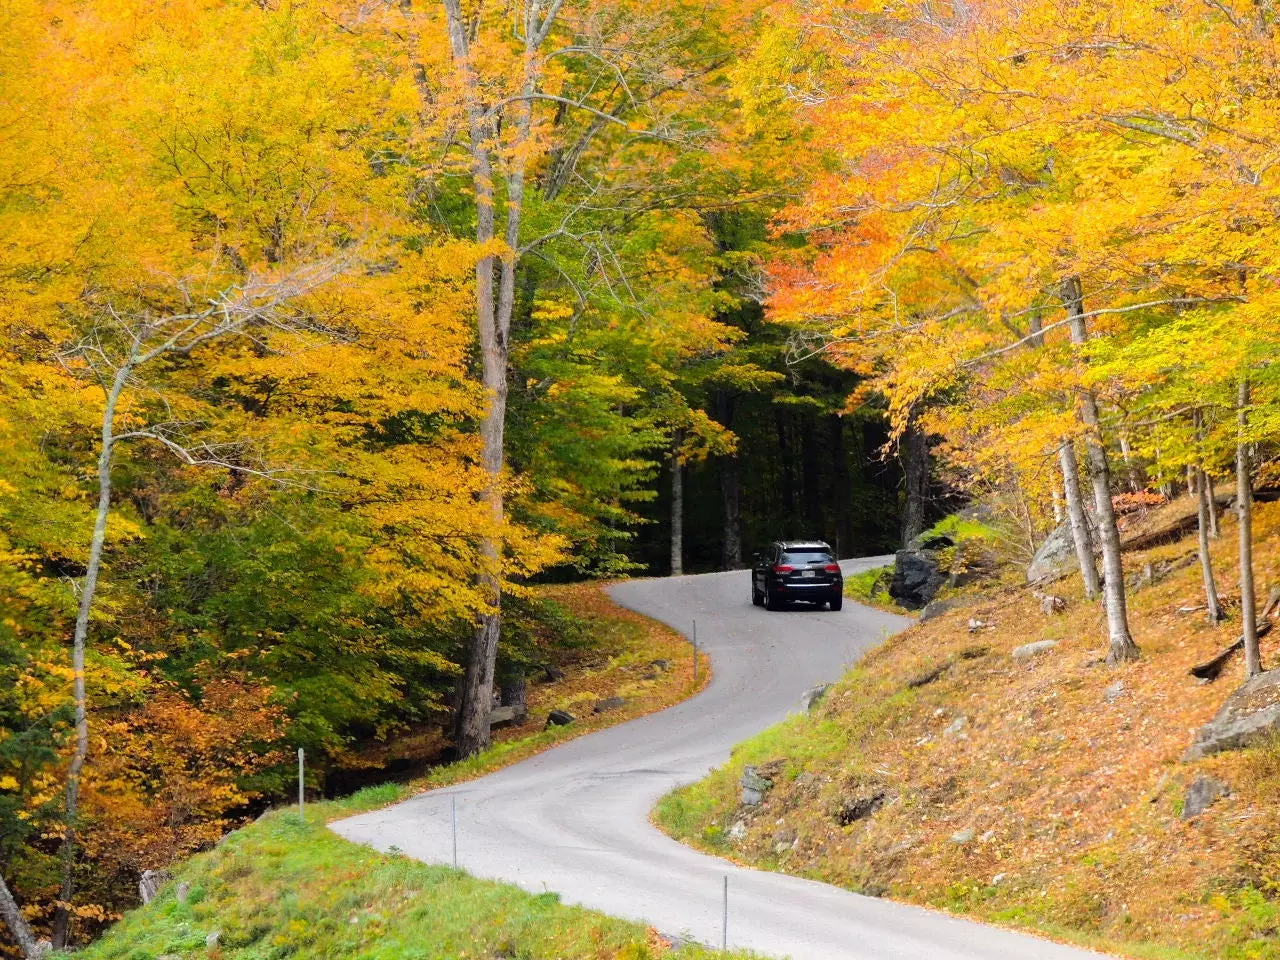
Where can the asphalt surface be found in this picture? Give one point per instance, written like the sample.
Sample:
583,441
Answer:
574,819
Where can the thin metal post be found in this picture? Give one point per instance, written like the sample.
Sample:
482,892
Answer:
301,784
695,653
453,811
724,927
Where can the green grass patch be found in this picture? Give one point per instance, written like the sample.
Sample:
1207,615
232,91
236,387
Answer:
872,588
284,888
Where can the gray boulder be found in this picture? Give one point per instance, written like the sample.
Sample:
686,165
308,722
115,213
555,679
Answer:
607,704
1201,795
936,608
1250,714
500,717
150,883
917,575
813,696
560,718
754,787
1057,555
1029,650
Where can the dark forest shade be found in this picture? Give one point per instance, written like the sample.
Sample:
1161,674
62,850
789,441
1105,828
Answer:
799,473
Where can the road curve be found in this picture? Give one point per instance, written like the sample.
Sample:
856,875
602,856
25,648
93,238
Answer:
575,818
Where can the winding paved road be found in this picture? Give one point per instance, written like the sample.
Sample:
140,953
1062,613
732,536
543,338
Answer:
575,819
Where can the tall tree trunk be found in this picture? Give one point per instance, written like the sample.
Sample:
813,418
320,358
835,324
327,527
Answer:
787,500
1214,530
1122,647
840,463
914,453
493,324
677,509
17,923
67,850
1081,538
513,691
731,499
1244,511
723,402
1212,604
810,479
1132,473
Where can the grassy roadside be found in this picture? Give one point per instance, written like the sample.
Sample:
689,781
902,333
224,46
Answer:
1044,793
284,888
871,588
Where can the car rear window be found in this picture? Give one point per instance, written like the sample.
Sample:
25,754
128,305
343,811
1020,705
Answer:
806,556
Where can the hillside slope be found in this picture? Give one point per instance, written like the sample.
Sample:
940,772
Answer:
1046,792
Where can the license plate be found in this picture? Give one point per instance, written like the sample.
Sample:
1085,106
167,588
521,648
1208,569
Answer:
807,574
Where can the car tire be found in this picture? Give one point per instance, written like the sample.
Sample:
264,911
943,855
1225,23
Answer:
757,598
837,603
770,601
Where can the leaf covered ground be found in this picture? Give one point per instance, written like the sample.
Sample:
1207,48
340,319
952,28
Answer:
1044,793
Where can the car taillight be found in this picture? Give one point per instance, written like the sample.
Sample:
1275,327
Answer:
782,568
832,568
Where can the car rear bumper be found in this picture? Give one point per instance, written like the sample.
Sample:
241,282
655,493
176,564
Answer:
799,588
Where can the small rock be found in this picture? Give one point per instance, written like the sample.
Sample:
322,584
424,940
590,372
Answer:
1201,795
937,608
607,704
150,883
212,939
956,725
813,696
551,674
662,665
1113,692
500,717
738,832
859,808
963,836
784,838
182,890
560,718
928,676
1029,650
676,943
754,787
975,625
998,879
1050,604
987,837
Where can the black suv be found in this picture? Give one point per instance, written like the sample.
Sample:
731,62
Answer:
796,570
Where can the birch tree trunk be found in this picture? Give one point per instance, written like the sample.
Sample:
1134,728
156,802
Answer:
31,948
67,849
1244,511
493,325
1212,604
1122,647
1214,531
1079,521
